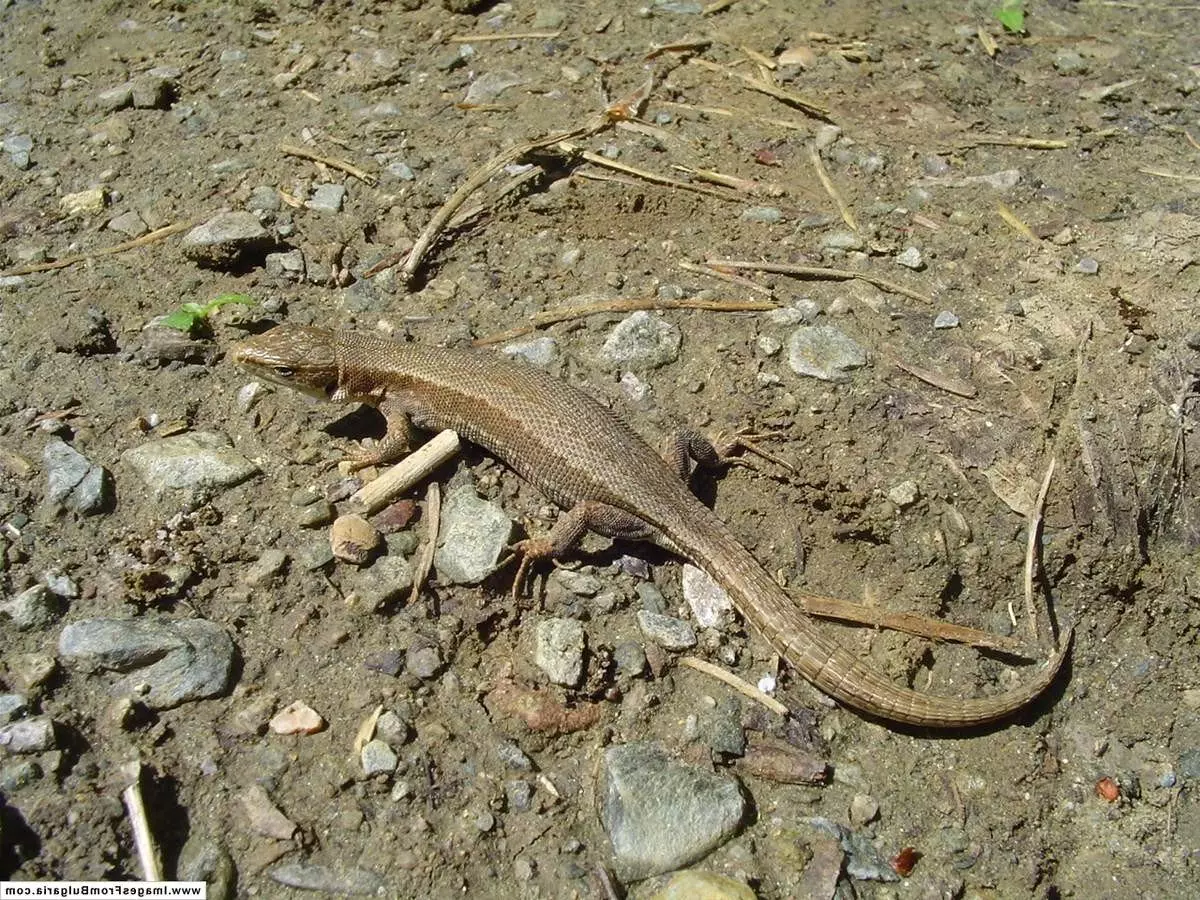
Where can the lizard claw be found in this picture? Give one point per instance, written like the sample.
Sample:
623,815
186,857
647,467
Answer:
746,441
530,550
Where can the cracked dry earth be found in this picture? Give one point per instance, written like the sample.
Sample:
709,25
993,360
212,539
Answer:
170,591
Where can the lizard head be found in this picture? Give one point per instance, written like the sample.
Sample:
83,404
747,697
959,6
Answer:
296,356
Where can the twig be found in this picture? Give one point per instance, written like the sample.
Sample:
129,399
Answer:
333,162
515,36
135,806
818,272
747,185
1163,173
830,188
738,280
1031,554
433,524
909,623
717,6
553,316
156,235
1013,221
1000,140
375,495
604,162
738,684
729,113
947,383
791,99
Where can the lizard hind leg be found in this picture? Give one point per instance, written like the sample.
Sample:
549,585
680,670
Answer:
690,446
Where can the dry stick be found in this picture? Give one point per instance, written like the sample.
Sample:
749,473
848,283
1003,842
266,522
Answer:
333,162
729,113
597,160
794,100
744,283
1013,221
143,840
817,272
1031,554
1163,173
433,521
1000,140
157,235
909,623
830,188
947,383
375,495
742,687
515,36
553,316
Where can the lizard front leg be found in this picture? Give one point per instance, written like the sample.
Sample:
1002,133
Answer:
396,442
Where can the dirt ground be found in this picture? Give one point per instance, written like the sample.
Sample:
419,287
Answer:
1049,185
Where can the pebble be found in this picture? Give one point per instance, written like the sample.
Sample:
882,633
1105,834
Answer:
692,884
803,311
393,730
33,735
316,514
173,661
842,240
559,650
400,170
911,258
423,661
296,718
863,809
265,817
35,607
17,775
945,319
203,859
490,85
12,707
661,815
314,555
767,215
327,198
18,147
324,879
288,265
353,539
84,203
265,198
721,729
129,224
707,599
513,757
1069,62
1088,266
198,460
474,535
824,352
540,352
270,563
387,580
155,89
863,861
769,345
519,794
11,282
630,657
378,758
666,631
226,240
642,340
904,494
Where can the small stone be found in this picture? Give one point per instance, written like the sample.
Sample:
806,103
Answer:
824,352
387,580
393,730
911,258
74,481
154,89
474,534
666,631
693,884
400,170
270,563
11,282
581,584
34,607
842,240
945,319
423,661
705,596
1088,266
33,735
630,657
327,198
19,774
385,662
308,876
519,794
12,707
642,340
1069,62
559,650
353,539
904,494
196,461
129,224
766,215
116,98
288,265
265,818
316,514
84,203
264,198
490,85
378,758
297,718
513,757
1014,307
226,240
863,809
827,136
540,352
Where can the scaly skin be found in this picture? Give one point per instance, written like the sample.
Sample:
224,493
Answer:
591,463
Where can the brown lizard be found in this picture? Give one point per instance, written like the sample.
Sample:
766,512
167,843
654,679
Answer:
592,464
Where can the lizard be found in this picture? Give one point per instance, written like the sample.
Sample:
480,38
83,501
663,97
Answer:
590,462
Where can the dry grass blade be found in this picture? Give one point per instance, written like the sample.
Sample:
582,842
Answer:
333,162
785,96
433,518
143,838
738,280
157,235
830,188
947,383
1027,143
514,36
552,317
1016,223
818,272
738,684
604,162
1163,173
733,181
729,113
1031,554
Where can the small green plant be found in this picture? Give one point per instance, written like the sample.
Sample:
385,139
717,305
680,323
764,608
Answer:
191,316
1011,14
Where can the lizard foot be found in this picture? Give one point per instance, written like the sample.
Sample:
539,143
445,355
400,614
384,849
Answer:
745,441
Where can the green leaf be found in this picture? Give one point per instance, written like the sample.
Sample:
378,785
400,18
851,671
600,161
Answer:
224,300
181,320
1011,14
190,314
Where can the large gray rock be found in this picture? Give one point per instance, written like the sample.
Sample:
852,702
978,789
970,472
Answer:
474,534
227,240
199,460
73,480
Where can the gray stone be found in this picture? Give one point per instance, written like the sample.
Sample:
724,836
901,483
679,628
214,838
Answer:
904,494
61,584
519,794
945,319
11,282
721,728
767,215
474,535
393,730
842,240
307,876
34,607
707,599
12,707
386,580
378,758
824,352
327,198
169,661
661,815
400,170
155,89
911,258
490,85
233,56
33,735
115,98
630,658
226,239
1088,266
203,859
269,564
863,861
803,311
74,481
423,661
642,340
287,265
1069,62
666,631
540,351
196,461
513,757
17,775
559,650
581,584
129,224
264,197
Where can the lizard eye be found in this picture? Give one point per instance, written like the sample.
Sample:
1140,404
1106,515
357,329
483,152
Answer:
284,371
